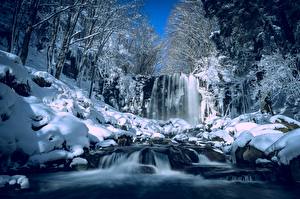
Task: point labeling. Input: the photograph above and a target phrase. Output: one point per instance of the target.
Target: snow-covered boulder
(244, 126)
(106, 143)
(287, 147)
(181, 138)
(17, 181)
(238, 146)
(79, 164)
(221, 136)
(286, 121)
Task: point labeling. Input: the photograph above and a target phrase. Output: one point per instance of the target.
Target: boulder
(145, 169)
(251, 154)
(124, 140)
(79, 164)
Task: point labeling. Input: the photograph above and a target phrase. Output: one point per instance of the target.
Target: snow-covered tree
(188, 38)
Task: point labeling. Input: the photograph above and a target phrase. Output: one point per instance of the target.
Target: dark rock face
(124, 140)
(247, 155)
(41, 81)
(251, 154)
(115, 95)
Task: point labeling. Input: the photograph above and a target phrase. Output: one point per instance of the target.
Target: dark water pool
(100, 184)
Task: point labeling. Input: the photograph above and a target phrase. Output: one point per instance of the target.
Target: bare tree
(188, 37)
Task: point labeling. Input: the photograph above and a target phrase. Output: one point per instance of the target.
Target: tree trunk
(25, 46)
(50, 50)
(14, 26)
(66, 43)
(92, 78)
(28, 32)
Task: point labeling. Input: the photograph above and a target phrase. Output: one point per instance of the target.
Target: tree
(188, 37)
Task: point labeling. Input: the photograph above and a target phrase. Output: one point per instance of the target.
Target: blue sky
(158, 12)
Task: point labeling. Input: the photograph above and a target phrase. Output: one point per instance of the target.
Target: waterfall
(130, 162)
(175, 96)
(162, 162)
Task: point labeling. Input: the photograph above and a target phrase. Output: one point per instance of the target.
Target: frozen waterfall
(175, 95)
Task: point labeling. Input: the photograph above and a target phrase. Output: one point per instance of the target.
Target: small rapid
(142, 161)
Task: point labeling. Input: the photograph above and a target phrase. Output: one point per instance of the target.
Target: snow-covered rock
(79, 163)
(244, 126)
(181, 138)
(287, 147)
(106, 143)
(20, 180)
(241, 141)
(221, 135)
(262, 142)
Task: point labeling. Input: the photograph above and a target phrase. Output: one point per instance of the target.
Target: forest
(96, 102)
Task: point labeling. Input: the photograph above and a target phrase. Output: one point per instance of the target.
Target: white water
(124, 163)
(162, 162)
(175, 95)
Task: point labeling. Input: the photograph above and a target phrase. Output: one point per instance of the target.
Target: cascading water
(127, 163)
(175, 96)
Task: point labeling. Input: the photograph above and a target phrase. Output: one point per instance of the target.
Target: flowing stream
(119, 176)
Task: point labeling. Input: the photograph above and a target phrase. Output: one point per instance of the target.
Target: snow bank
(262, 142)
(288, 146)
(10, 63)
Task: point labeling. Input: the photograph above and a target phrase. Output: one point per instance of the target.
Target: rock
(290, 123)
(251, 154)
(178, 159)
(239, 158)
(145, 169)
(41, 81)
(22, 89)
(181, 138)
(106, 143)
(14, 182)
(124, 140)
(212, 154)
(79, 164)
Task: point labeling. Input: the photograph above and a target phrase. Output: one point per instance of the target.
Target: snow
(21, 180)
(181, 138)
(282, 118)
(74, 132)
(78, 161)
(267, 128)
(262, 142)
(244, 126)
(106, 143)
(12, 64)
(97, 132)
(221, 134)
(262, 161)
(54, 155)
(288, 146)
(157, 136)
